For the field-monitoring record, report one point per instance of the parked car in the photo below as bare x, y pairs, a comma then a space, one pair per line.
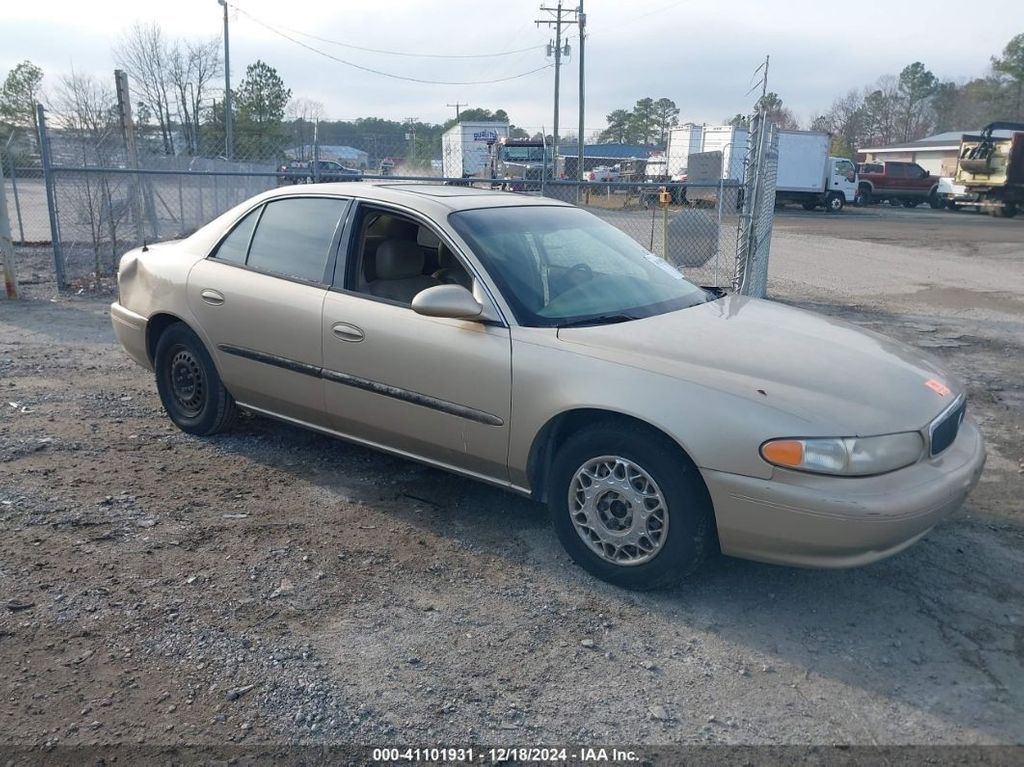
602, 173
527, 343
293, 172
901, 183
302, 172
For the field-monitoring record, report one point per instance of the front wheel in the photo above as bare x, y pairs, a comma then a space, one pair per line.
1009, 210
834, 202
936, 202
630, 509
189, 385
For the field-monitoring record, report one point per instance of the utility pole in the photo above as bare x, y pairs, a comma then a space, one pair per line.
229, 139
457, 106
410, 134
581, 18
557, 23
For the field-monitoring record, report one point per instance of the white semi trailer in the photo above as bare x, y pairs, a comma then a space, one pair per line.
469, 149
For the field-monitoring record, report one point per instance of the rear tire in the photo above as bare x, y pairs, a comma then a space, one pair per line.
1009, 210
809, 205
190, 387
635, 497
864, 197
910, 203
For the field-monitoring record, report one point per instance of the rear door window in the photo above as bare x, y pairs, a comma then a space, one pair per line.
294, 237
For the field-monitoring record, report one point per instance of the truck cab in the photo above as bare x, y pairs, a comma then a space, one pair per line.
524, 163
899, 182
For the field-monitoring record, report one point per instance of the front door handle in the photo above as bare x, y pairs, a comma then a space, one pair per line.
212, 297
347, 332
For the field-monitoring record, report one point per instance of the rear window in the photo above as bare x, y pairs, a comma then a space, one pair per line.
234, 247
294, 237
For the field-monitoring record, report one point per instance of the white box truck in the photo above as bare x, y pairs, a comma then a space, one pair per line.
808, 175
468, 149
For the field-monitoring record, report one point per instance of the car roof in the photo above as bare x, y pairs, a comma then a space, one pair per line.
447, 198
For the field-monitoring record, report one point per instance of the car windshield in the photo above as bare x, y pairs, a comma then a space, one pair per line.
524, 154
561, 265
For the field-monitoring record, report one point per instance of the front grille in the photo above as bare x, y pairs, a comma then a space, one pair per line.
944, 429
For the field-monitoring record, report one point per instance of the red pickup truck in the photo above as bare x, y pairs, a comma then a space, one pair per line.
898, 182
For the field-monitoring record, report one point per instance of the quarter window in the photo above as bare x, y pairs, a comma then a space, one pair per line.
234, 247
294, 237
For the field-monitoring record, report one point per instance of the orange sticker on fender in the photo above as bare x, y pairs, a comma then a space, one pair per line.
938, 387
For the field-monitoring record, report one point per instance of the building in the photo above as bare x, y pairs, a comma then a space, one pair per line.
936, 154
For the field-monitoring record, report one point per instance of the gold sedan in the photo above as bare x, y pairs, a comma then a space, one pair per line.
526, 343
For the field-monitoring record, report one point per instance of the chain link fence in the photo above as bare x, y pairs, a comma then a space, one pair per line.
84, 198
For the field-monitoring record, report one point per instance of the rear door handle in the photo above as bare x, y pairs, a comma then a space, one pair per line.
212, 297
346, 331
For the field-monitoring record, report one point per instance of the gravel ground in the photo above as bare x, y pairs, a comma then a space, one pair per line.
275, 586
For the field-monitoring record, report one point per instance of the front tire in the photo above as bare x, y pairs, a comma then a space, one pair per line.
190, 388
630, 507
834, 202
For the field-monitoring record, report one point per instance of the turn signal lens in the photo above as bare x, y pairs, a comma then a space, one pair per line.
784, 452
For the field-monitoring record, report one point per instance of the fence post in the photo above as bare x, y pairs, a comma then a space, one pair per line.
51, 198
6, 245
14, 188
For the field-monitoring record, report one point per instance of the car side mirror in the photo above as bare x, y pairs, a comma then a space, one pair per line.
451, 301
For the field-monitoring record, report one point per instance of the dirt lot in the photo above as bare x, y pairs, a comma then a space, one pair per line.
275, 586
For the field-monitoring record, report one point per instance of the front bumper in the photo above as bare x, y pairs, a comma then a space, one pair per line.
130, 329
811, 520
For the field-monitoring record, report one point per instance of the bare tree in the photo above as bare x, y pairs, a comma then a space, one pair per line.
303, 115
144, 54
205, 65
86, 111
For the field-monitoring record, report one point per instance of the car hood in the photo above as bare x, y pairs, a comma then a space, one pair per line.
836, 378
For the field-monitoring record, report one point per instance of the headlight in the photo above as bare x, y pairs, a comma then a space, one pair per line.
849, 456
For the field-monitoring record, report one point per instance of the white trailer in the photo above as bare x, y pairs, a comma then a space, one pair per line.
468, 149
732, 143
808, 175
683, 141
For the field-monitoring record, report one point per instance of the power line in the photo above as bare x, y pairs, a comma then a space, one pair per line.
396, 53
388, 74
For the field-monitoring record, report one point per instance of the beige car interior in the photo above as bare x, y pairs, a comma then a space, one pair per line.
398, 258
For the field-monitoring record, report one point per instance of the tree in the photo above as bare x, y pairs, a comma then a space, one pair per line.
143, 53
261, 100
86, 111
666, 116
644, 123
192, 66
620, 128
845, 121
20, 94
1011, 65
303, 114
916, 86
775, 112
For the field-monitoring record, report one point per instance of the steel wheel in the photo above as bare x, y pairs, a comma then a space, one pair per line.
187, 382
618, 510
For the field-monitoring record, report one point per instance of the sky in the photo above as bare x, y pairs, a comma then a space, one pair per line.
702, 55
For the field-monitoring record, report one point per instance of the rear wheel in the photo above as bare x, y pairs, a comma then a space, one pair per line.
809, 205
909, 203
189, 385
864, 196
1009, 210
629, 507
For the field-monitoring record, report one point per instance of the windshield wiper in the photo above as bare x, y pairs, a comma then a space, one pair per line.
601, 319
